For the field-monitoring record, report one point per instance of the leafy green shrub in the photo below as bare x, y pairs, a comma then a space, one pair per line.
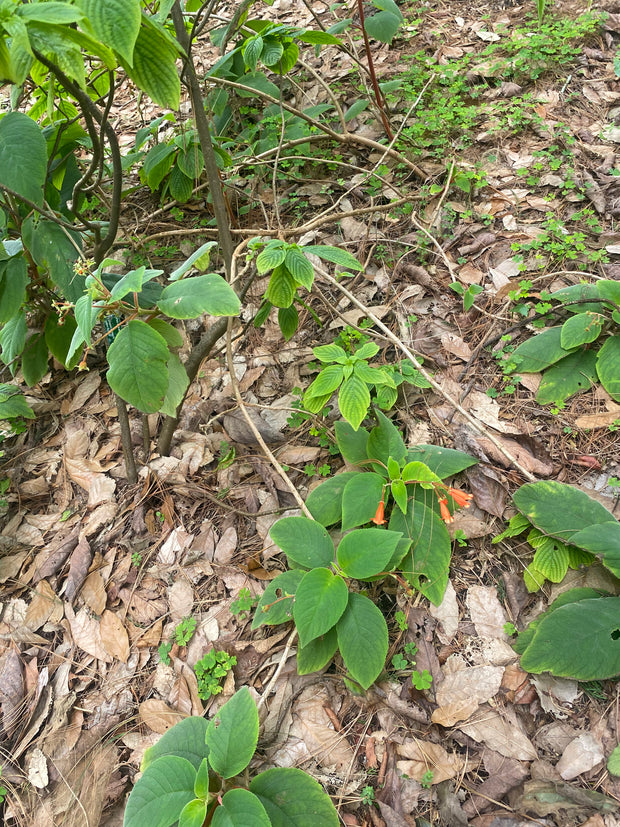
187, 777
319, 592
583, 349
579, 634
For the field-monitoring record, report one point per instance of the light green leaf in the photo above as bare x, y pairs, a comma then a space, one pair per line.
399, 492
360, 499
178, 382
154, 65
50, 12
190, 298
551, 558
251, 51
335, 255
608, 366
286, 61
240, 808
363, 639
304, 541
299, 267
325, 501
116, 23
326, 382
232, 735
382, 26
288, 319
193, 814
161, 793
613, 762
320, 600
609, 290
419, 472
271, 52
13, 339
271, 257
293, 799
330, 353
171, 334
581, 329
185, 739
282, 287
354, 401
366, 552
276, 603
23, 156
317, 653
138, 371
199, 259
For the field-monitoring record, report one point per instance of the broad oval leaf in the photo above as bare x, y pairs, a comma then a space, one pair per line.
360, 500
551, 558
299, 267
320, 600
240, 808
363, 639
270, 258
190, 298
116, 23
352, 444
325, 501
608, 366
288, 319
281, 288
603, 539
317, 653
193, 814
366, 552
23, 156
445, 462
581, 329
34, 359
158, 797
293, 799
330, 353
304, 541
276, 603
580, 640
138, 371
232, 735
185, 739
540, 351
326, 382
354, 400
559, 509
154, 65
571, 375
385, 441
54, 250
382, 26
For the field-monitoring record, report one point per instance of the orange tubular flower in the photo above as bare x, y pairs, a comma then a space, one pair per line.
379, 518
461, 498
445, 512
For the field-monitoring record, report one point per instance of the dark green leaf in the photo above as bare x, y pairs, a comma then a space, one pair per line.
190, 298
320, 600
240, 808
540, 351
160, 794
34, 359
23, 156
366, 552
276, 603
304, 541
608, 366
569, 376
363, 639
232, 735
351, 443
360, 500
138, 372
317, 653
325, 501
293, 799
385, 441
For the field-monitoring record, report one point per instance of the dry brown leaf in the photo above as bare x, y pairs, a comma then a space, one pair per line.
226, 546
86, 633
11, 689
87, 386
114, 636
486, 612
43, 605
447, 613
11, 564
597, 420
93, 592
467, 683
87, 473
499, 733
422, 756
158, 716
581, 755
181, 600
81, 558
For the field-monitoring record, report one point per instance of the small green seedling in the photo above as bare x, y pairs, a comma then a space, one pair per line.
164, 653
210, 670
367, 796
184, 631
510, 629
187, 778
421, 680
427, 779
469, 294
3, 790
136, 559
243, 604
401, 621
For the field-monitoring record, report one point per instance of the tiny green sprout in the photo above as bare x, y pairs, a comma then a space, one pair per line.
324, 470
65, 515
184, 631
613, 482
4, 791
244, 603
421, 680
399, 662
469, 294
367, 796
401, 621
427, 779
227, 455
510, 629
460, 537
310, 469
164, 653
210, 671
136, 559
160, 516
411, 650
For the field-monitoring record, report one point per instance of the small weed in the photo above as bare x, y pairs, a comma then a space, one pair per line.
4, 791
421, 680
460, 537
510, 629
367, 796
136, 559
4, 487
401, 621
226, 456
614, 482
164, 652
243, 604
210, 670
427, 779
469, 294
184, 631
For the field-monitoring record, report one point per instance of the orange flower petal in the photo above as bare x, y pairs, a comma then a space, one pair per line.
445, 511
379, 518
461, 498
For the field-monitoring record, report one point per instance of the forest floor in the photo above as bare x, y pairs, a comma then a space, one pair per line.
512, 146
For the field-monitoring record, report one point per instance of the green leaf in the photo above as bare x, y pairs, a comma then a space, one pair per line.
325, 501
191, 161
193, 814
13, 404
572, 595
540, 351
399, 492
281, 288
116, 23
427, 564
138, 371
552, 556
50, 12
278, 597
156, 164
190, 298
580, 640
13, 339
232, 735
335, 255
293, 799
286, 61
613, 762
608, 366
363, 639
201, 784
603, 539
185, 739
54, 250
354, 400
170, 334
317, 653
23, 156
419, 472
360, 499
154, 65
251, 51
299, 267
288, 319
178, 382
557, 509
366, 552
385, 441
318, 38
382, 26
351, 443
569, 376
13, 283
34, 359
199, 259
58, 337
240, 808
271, 257
581, 329
320, 600
304, 541
330, 353
609, 290
326, 382
272, 51
180, 186
160, 794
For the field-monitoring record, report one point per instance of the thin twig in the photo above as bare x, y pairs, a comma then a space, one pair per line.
276, 674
